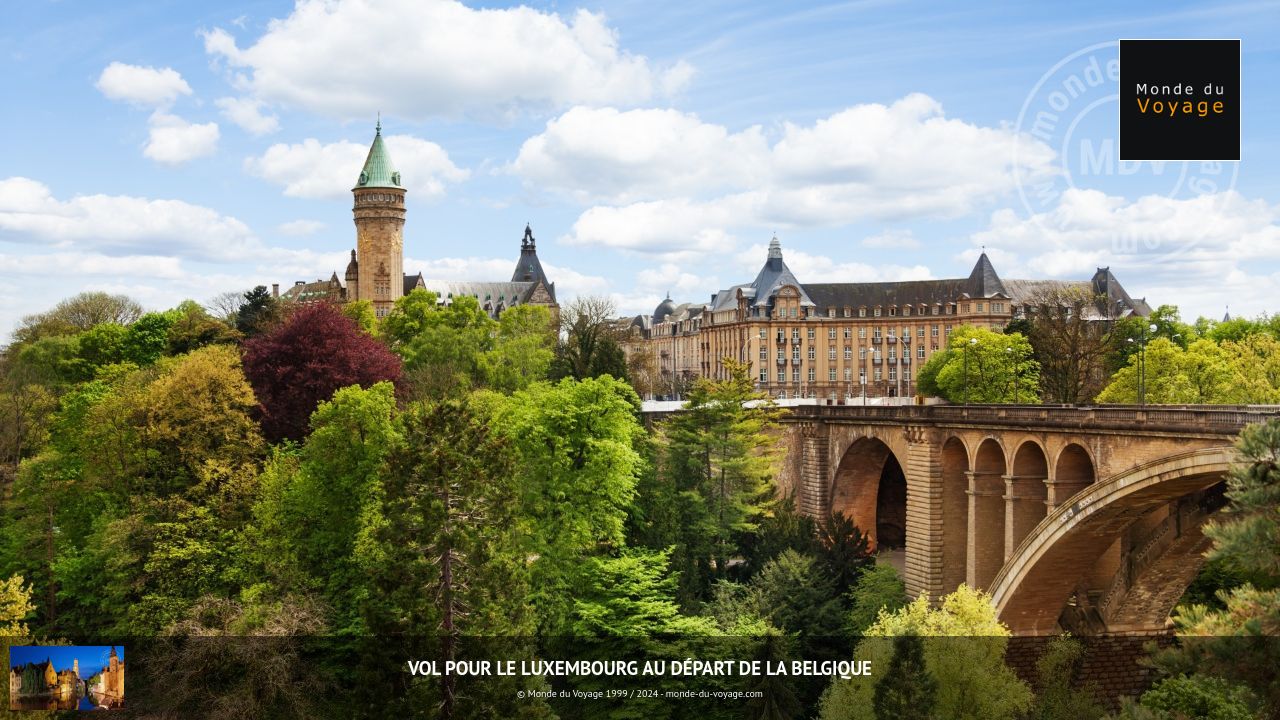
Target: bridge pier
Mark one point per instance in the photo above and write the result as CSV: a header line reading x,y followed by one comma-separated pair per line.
x,y
926,523
1024,508
986,526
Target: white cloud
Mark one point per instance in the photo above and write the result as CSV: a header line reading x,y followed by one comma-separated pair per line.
x,y
347,58
142,85
674,279
313,170
892,240
672,230
174,141
1197,252
665,179
94,264
300,227
248,114
619,157
118,224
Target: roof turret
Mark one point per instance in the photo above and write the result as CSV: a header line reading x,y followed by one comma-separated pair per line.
x,y
378,171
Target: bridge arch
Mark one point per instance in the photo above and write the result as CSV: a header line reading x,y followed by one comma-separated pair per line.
x,y
870,488
1026,493
1073,470
955,512
1033,587
986,512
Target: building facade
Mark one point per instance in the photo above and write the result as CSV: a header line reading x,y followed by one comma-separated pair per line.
x,y
835,340
376,270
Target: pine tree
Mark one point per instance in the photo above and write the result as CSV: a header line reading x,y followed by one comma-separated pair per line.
x,y
720,458
906,690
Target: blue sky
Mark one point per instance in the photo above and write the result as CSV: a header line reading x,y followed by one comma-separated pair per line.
x,y
170,150
92,657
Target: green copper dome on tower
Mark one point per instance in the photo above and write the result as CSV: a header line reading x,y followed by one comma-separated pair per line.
x,y
378,171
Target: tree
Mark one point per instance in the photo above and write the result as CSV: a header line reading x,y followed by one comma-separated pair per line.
x,y
147,338
442,345
522,349
878,589
1237,643
994,368
964,646
844,552
257,312
78,313
1255,368
906,689
300,363
630,595
193,328
1055,698
590,348
794,594
1165,380
720,459
1070,341
361,311
1198,696
312,512
575,477
445,538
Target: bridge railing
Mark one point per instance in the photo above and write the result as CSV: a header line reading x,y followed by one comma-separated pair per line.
x,y
1210,418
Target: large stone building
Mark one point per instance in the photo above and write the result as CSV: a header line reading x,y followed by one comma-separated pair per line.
x,y
836,340
376,271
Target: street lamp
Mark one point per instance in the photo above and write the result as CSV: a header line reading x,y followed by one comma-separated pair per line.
x,y
1142,362
1013,375
972,342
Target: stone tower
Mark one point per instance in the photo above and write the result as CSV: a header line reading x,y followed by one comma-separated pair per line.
x,y
378,265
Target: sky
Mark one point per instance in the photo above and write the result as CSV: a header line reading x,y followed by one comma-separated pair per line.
x,y
92,657
171,150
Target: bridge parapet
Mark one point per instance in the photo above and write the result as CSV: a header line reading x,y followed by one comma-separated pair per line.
x,y
1207,418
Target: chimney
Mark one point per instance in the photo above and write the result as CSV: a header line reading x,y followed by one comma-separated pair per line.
x,y
275,289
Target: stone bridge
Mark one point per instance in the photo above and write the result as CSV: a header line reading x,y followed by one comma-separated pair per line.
x,y
1079,518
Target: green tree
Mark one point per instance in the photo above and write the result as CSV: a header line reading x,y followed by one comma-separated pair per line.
x,y
315,515
257,312
1166,377
444,545
843,550
78,313
982,366
796,595
147,338
361,311
720,458
1055,698
964,646
878,589
906,689
1198,698
522,349
192,328
1255,367
590,347
442,345
630,595
101,345
575,476
1237,643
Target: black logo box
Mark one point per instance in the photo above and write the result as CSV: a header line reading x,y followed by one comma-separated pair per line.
x,y
1160,77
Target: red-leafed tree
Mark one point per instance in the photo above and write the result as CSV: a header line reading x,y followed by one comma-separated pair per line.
x,y
300,363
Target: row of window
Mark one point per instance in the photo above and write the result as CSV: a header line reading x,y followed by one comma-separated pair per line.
x,y
877,375
791,310
848,333
848,353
